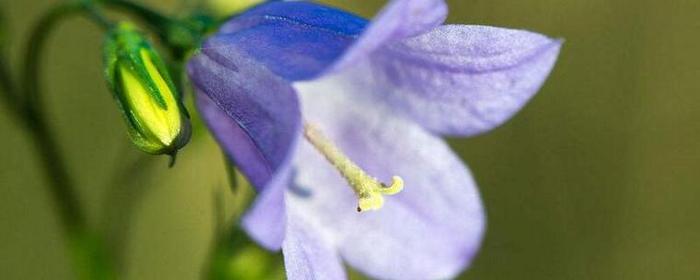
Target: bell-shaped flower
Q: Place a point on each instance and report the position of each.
(327, 113)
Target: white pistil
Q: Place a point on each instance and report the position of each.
(368, 189)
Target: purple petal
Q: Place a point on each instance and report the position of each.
(301, 12)
(431, 230)
(295, 40)
(400, 19)
(462, 80)
(253, 114)
(246, 100)
(308, 255)
(300, 40)
(266, 221)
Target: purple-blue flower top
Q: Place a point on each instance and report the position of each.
(286, 42)
(310, 37)
(381, 93)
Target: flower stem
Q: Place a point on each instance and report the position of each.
(87, 250)
(149, 16)
(34, 114)
(97, 16)
(179, 36)
(61, 184)
(230, 241)
(8, 92)
(7, 87)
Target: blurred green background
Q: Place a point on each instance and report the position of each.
(597, 178)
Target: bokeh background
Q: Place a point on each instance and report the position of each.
(597, 178)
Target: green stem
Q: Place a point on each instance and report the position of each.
(7, 88)
(34, 113)
(229, 238)
(89, 256)
(97, 16)
(61, 184)
(179, 36)
(149, 16)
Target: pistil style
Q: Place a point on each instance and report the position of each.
(369, 190)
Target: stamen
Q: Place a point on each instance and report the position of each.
(368, 189)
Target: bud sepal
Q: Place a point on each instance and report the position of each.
(156, 119)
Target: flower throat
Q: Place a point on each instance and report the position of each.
(368, 189)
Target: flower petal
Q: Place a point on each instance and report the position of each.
(265, 221)
(301, 12)
(246, 100)
(400, 19)
(252, 113)
(431, 230)
(308, 255)
(314, 38)
(462, 80)
(295, 40)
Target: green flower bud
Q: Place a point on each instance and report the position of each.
(156, 119)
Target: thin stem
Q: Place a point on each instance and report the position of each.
(177, 35)
(97, 16)
(34, 113)
(241, 189)
(151, 17)
(6, 84)
(7, 88)
(90, 259)
(228, 237)
(61, 184)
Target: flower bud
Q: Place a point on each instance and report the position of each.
(156, 119)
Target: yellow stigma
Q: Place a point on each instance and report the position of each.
(368, 189)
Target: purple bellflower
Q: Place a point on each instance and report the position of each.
(313, 103)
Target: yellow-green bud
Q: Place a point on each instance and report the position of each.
(157, 121)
